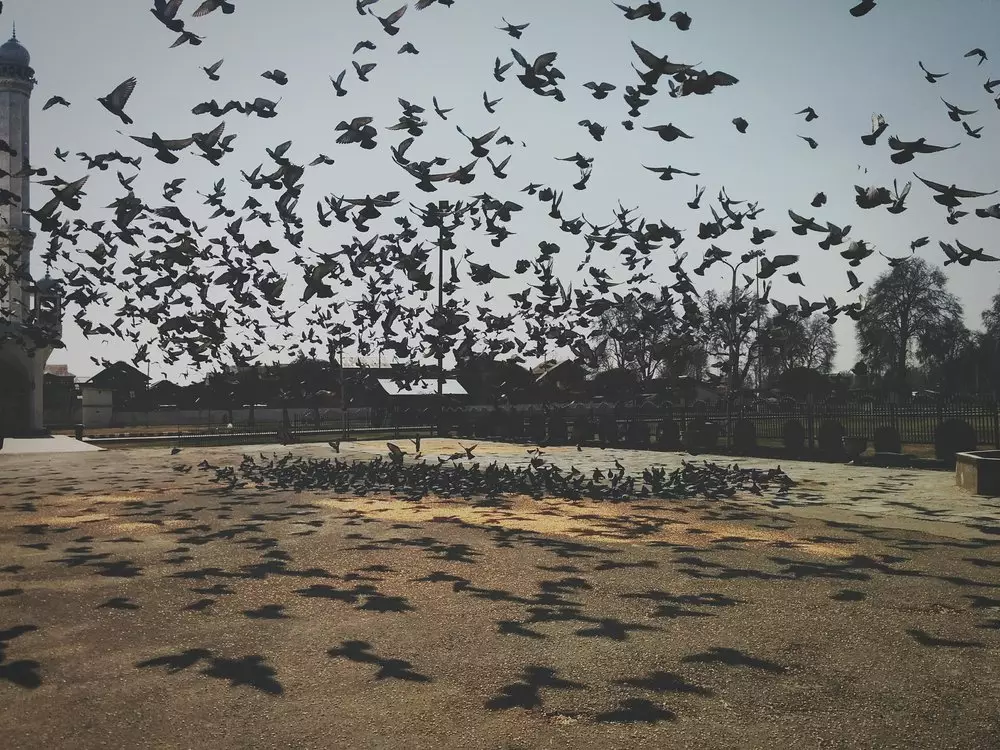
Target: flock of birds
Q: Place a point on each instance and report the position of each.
(449, 477)
(214, 296)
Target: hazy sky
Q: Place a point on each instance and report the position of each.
(787, 54)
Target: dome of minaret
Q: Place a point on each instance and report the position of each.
(11, 52)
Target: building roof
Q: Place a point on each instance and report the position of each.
(12, 52)
(61, 370)
(450, 387)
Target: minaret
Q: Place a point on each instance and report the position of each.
(17, 79)
(29, 312)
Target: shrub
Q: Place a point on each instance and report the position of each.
(668, 435)
(637, 433)
(744, 436)
(953, 436)
(887, 440)
(831, 439)
(794, 436)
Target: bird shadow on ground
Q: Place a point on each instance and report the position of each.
(526, 693)
(388, 669)
(926, 639)
(251, 670)
(23, 672)
(734, 658)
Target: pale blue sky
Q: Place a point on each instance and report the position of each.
(788, 54)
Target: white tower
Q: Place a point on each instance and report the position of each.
(29, 312)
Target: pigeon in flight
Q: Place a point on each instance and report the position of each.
(115, 101)
(977, 51)
(931, 77)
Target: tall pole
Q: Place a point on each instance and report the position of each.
(343, 394)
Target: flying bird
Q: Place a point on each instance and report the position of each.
(812, 143)
(212, 71)
(337, 83)
(681, 19)
(513, 29)
(809, 112)
(905, 150)
(862, 8)
(977, 52)
(115, 101)
(600, 90)
(668, 132)
(53, 101)
(955, 113)
(278, 76)
(409, 49)
(389, 22)
(879, 126)
(211, 5)
(741, 124)
(950, 195)
(931, 77)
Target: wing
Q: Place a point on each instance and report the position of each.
(648, 58)
(929, 148)
(958, 192)
(394, 16)
(120, 96)
(936, 187)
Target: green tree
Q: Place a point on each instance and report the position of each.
(903, 309)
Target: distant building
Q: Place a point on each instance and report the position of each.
(128, 384)
(62, 396)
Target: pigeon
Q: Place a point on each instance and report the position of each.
(212, 5)
(681, 19)
(950, 195)
(879, 126)
(862, 8)
(809, 112)
(389, 22)
(977, 52)
(53, 101)
(741, 124)
(335, 444)
(601, 90)
(166, 12)
(905, 150)
(974, 133)
(408, 49)
(514, 30)
(819, 200)
(667, 173)
(931, 77)
(955, 113)
(212, 71)
(668, 132)
(115, 101)
(278, 76)
(337, 83)
(812, 143)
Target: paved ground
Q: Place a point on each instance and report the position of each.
(141, 606)
(49, 444)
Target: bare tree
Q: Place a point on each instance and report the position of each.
(731, 331)
(643, 335)
(903, 309)
(787, 343)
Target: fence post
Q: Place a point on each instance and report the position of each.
(996, 424)
(810, 412)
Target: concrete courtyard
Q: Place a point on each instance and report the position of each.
(142, 605)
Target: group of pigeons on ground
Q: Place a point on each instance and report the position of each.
(213, 295)
(451, 477)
